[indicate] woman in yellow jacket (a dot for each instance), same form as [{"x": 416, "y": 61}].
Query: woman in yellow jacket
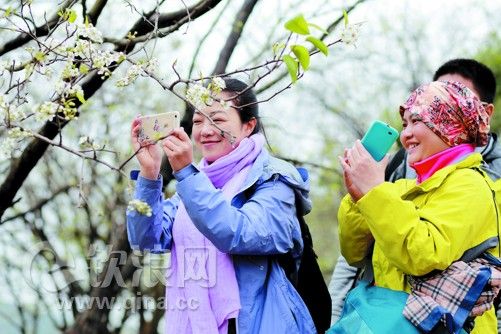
[{"x": 417, "y": 226}]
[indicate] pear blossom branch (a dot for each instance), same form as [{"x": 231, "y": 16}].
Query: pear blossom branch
[
  {"x": 41, "y": 30},
  {"x": 77, "y": 153}
]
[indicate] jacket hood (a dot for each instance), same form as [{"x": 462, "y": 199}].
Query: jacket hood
[
  {"x": 491, "y": 154},
  {"x": 267, "y": 167},
  {"x": 492, "y": 150}
]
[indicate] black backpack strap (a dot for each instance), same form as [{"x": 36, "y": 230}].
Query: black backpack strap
[
  {"x": 311, "y": 284},
  {"x": 395, "y": 161}
]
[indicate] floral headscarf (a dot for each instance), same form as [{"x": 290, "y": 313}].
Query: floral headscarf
[{"x": 451, "y": 110}]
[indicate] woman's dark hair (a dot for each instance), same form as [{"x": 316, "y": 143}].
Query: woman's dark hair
[{"x": 245, "y": 103}]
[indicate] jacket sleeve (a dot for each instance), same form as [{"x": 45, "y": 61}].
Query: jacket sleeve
[
  {"x": 455, "y": 217},
  {"x": 265, "y": 224},
  {"x": 355, "y": 236},
  {"x": 153, "y": 233},
  {"x": 341, "y": 283}
]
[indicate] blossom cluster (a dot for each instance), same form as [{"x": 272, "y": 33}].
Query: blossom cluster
[
  {"x": 349, "y": 35},
  {"x": 201, "y": 96},
  {"x": 8, "y": 144},
  {"x": 141, "y": 207},
  {"x": 88, "y": 142},
  {"x": 142, "y": 68}
]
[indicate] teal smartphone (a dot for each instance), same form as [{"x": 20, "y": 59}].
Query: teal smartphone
[{"x": 378, "y": 139}]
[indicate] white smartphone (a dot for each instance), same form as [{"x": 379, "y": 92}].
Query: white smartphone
[{"x": 155, "y": 127}]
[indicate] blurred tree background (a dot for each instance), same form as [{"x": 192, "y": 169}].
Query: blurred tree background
[{"x": 62, "y": 208}]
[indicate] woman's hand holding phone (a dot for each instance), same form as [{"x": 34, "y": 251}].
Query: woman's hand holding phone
[
  {"x": 149, "y": 156},
  {"x": 361, "y": 171},
  {"x": 178, "y": 148},
  {"x": 365, "y": 163}
]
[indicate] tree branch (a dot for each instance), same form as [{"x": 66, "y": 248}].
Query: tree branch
[
  {"x": 41, "y": 30},
  {"x": 96, "y": 11},
  {"x": 329, "y": 29},
  {"x": 39, "y": 205},
  {"x": 20, "y": 168},
  {"x": 234, "y": 37}
]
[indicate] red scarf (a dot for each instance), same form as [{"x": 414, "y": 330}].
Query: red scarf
[{"x": 427, "y": 167}]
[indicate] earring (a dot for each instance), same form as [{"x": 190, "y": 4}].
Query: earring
[{"x": 232, "y": 142}]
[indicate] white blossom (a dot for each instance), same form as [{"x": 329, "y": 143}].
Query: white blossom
[
  {"x": 199, "y": 96},
  {"x": 11, "y": 111},
  {"x": 75, "y": 90},
  {"x": 350, "y": 34},
  {"x": 70, "y": 71},
  {"x": 62, "y": 87},
  {"x": 151, "y": 65},
  {"x": 66, "y": 89},
  {"x": 18, "y": 133},
  {"x": 132, "y": 73},
  {"x": 136, "y": 70},
  {"x": 141, "y": 207},
  {"x": 6, "y": 148},
  {"x": 89, "y": 31},
  {"x": 46, "y": 111},
  {"x": 88, "y": 142},
  {"x": 225, "y": 104},
  {"x": 83, "y": 49},
  {"x": 218, "y": 85}
]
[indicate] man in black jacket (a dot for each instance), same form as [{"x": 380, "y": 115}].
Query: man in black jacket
[{"x": 480, "y": 79}]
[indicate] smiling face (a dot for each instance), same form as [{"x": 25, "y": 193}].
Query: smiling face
[
  {"x": 208, "y": 138},
  {"x": 419, "y": 140}
]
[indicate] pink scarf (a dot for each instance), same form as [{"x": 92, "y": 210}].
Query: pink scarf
[
  {"x": 202, "y": 289},
  {"x": 427, "y": 167}
]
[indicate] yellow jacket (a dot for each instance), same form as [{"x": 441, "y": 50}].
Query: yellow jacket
[{"x": 420, "y": 228}]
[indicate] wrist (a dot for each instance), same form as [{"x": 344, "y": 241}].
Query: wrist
[{"x": 151, "y": 174}]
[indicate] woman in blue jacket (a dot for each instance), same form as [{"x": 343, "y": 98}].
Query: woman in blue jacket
[{"x": 231, "y": 215}]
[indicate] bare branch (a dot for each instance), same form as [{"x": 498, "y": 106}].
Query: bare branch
[
  {"x": 204, "y": 38},
  {"x": 39, "y": 205},
  {"x": 234, "y": 37}
]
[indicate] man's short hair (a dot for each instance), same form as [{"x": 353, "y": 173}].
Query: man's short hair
[{"x": 480, "y": 75}]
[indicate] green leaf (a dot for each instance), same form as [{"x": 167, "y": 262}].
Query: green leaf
[
  {"x": 318, "y": 44},
  {"x": 292, "y": 67},
  {"x": 72, "y": 16},
  {"x": 39, "y": 56},
  {"x": 121, "y": 58},
  {"x": 345, "y": 15},
  {"x": 316, "y": 26},
  {"x": 80, "y": 97},
  {"x": 302, "y": 55},
  {"x": 298, "y": 25},
  {"x": 84, "y": 69},
  {"x": 8, "y": 12}
]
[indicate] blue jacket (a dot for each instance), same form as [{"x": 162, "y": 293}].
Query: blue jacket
[{"x": 251, "y": 229}]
